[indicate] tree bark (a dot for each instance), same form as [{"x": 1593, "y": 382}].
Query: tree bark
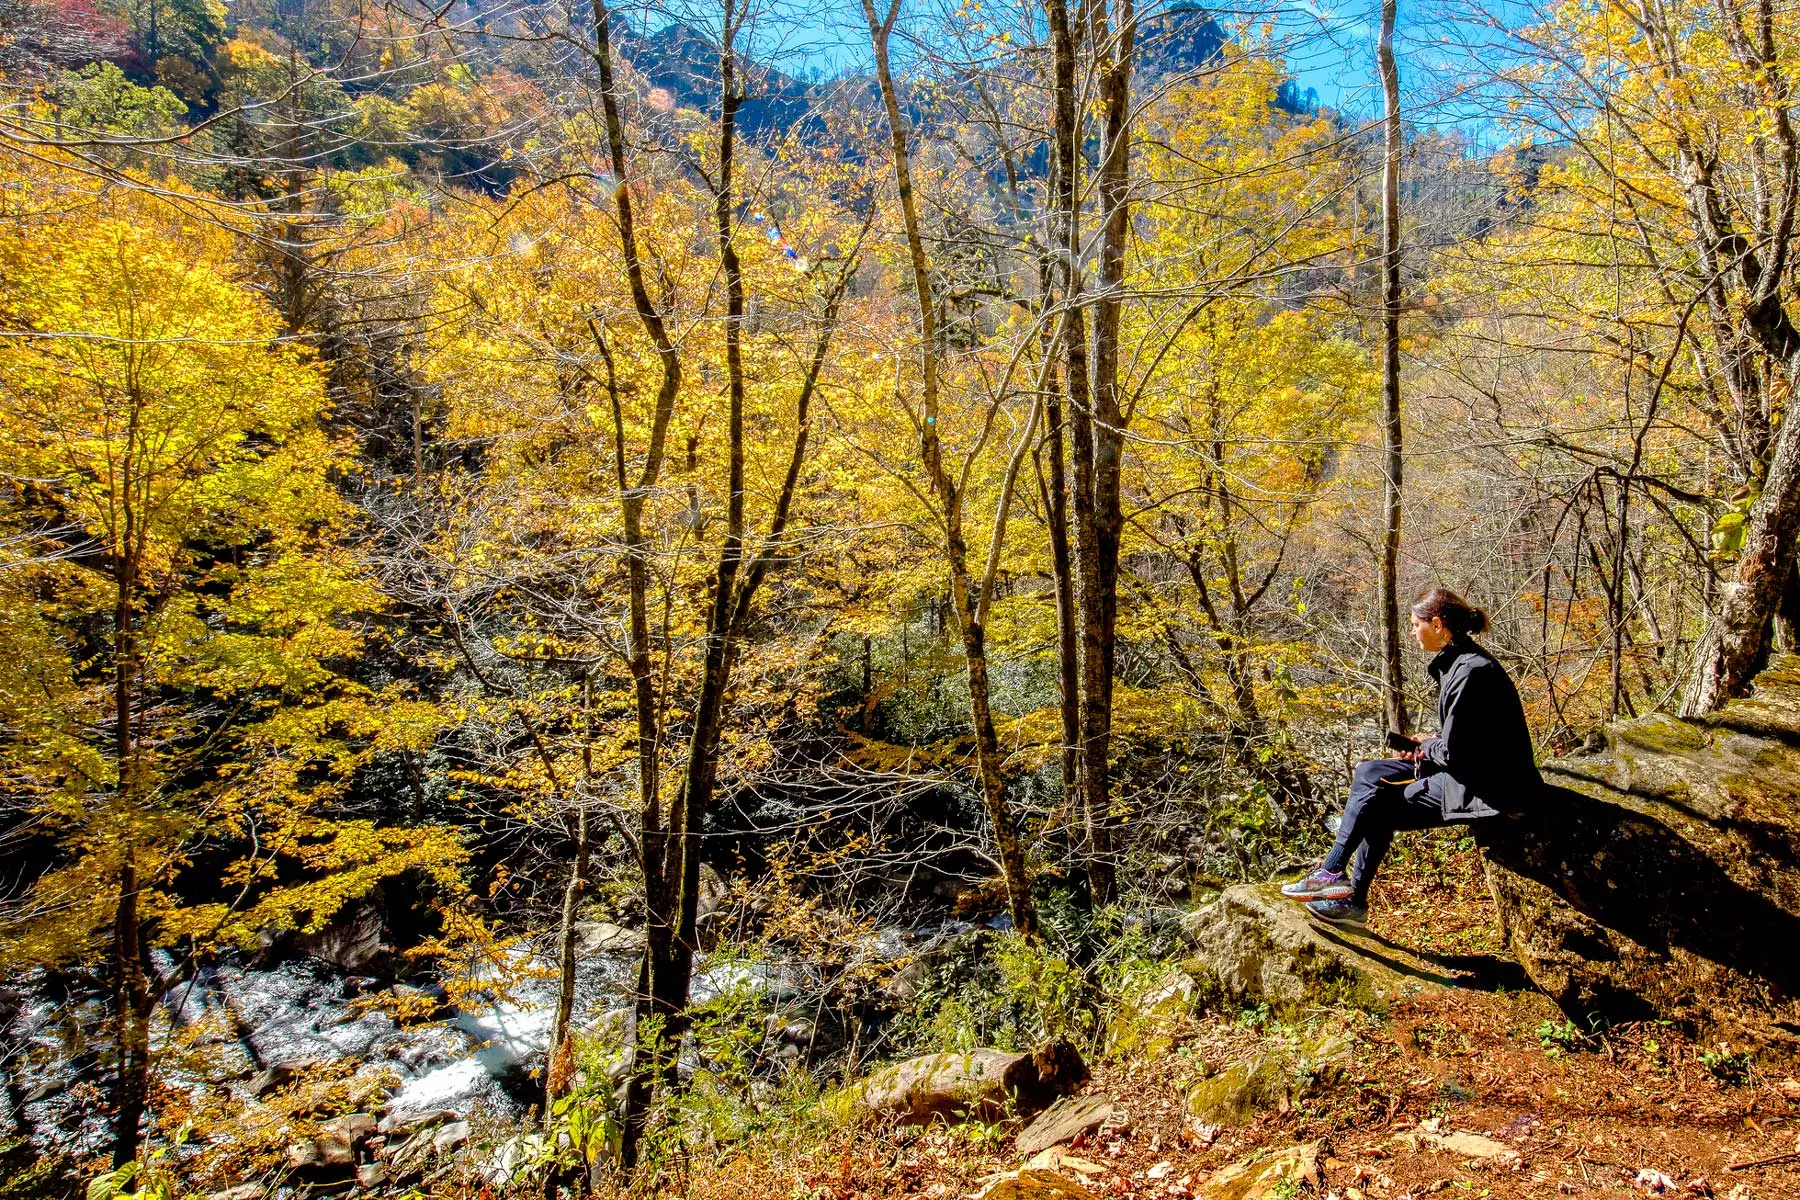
[
  {"x": 1100, "y": 447},
  {"x": 572, "y": 894},
  {"x": 131, "y": 995},
  {"x": 1077, "y": 653},
  {"x": 1068, "y": 647},
  {"x": 1738, "y": 644},
  {"x": 1394, "y": 684},
  {"x": 658, "y": 923},
  {"x": 964, "y": 599}
]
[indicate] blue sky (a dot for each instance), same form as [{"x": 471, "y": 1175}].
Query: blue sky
[{"x": 1330, "y": 47}]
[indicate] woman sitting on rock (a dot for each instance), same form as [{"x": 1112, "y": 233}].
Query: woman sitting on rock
[{"x": 1479, "y": 765}]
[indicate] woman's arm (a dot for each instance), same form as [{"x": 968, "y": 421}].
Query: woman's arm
[{"x": 1455, "y": 746}]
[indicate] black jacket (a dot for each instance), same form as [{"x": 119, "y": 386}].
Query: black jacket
[{"x": 1480, "y": 763}]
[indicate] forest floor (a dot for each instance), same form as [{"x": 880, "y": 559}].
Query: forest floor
[{"x": 1633, "y": 1109}]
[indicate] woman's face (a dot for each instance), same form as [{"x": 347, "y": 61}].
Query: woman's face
[{"x": 1431, "y": 635}]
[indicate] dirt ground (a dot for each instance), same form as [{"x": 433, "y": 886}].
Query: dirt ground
[{"x": 1635, "y": 1109}]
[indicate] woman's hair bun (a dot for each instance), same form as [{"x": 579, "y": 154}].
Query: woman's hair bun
[{"x": 1459, "y": 616}]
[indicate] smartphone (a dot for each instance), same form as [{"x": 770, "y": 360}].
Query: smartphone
[{"x": 1397, "y": 742}]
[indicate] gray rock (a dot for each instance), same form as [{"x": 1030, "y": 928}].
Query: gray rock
[
  {"x": 971, "y": 1083},
  {"x": 270, "y": 1078},
  {"x": 1064, "y": 1121},
  {"x": 243, "y": 1191},
  {"x": 354, "y": 941},
  {"x": 1150, "y": 1021},
  {"x": 1032, "y": 1183},
  {"x": 449, "y": 1137},
  {"x": 900, "y": 988},
  {"x": 1263, "y": 1178},
  {"x": 1262, "y": 948},
  {"x": 1273, "y": 1079},
  {"x": 1661, "y": 877},
  {"x": 603, "y": 937},
  {"x": 352, "y": 1129},
  {"x": 335, "y": 1146},
  {"x": 403, "y": 1125}
]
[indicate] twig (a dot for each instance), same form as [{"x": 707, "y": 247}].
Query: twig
[{"x": 1790, "y": 1156}]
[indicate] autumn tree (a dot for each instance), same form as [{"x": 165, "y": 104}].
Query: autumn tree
[
  {"x": 1681, "y": 114},
  {"x": 191, "y": 606}
]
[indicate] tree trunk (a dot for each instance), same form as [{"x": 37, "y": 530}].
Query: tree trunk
[
  {"x": 131, "y": 1017},
  {"x": 672, "y": 969},
  {"x": 1787, "y": 618},
  {"x": 1064, "y": 42},
  {"x": 1394, "y": 684},
  {"x": 1099, "y": 450},
  {"x": 1738, "y": 644},
  {"x": 565, "y": 947},
  {"x": 963, "y": 599},
  {"x": 658, "y": 931},
  {"x": 1068, "y": 647},
  {"x": 131, "y": 1006}
]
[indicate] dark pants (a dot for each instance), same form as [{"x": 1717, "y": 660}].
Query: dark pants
[{"x": 1377, "y": 810}]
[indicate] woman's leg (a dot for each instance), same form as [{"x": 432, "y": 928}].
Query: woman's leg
[
  {"x": 1412, "y": 807},
  {"x": 1363, "y": 812}
]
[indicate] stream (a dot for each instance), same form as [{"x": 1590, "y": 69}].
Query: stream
[{"x": 252, "y": 1028}]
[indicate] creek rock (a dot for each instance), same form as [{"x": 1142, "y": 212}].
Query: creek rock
[
  {"x": 1281, "y": 1175},
  {"x": 398, "y": 1126},
  {"x": 603, "y": 937},
  {"x": 1660, "y": 877},
  {"x": 335, "y": 1147},
  {"x": 449, "y": 1137},
  {"x": 242, "y": 1191},
  {"x": 970, "y": 1083},
  {"x": 355, "y": 941}
]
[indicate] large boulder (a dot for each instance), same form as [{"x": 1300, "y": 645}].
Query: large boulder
[
  {"x": 355, "y": 941},
  {"x": 971, "y": 1083},
  {"x": 1258, "y": 947},
  {"x": 1660, "y": 876}
]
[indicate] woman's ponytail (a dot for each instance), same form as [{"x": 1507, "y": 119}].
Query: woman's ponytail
[{"x": 1459, "y": 616}]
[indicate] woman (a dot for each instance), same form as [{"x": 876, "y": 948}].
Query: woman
[{"x": 1479, "y": 765}]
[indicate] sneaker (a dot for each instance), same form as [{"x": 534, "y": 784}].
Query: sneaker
[
  {"x": 1321, "y": 885},
  {"x": 1337, "y": 911}
]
